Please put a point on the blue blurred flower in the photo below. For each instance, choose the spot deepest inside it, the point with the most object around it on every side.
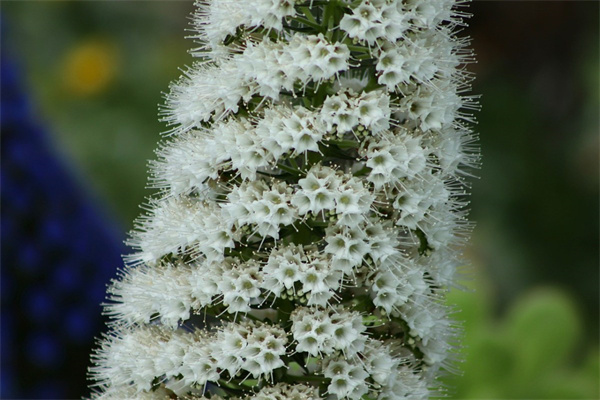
(58, 253)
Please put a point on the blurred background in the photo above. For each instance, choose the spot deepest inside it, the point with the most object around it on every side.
(81, 84)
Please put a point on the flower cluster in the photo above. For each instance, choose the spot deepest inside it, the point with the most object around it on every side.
(215, 20)
(310, 209)
(346, 111)
(184, 360)
(322, 332)
(264, 68)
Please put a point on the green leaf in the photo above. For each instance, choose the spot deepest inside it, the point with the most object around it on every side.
(543, 328)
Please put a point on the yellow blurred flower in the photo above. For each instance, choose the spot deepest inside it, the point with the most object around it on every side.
(89, 68)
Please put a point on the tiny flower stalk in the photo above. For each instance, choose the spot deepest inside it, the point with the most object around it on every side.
(310, 211)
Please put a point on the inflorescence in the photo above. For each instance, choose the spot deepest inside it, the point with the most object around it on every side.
(310, 212)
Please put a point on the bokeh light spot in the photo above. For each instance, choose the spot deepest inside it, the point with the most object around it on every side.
(90, 67)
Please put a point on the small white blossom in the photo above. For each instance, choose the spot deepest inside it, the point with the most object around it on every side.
(346, 246)
(379, 362)
(319, 331)
(284, 130)
(215, 20)
(378, 19)
(317, 190)
(283, 391)
(339, 111)
(323, 189)
(454, 151)
(198, 364)
(419, 198)
(278, 65)
(206, 91)
(428, 108)
(430, 13)
(180, 225)
(115, 367)
(254, 348)
(128, 392)
(284, 268)
(258, 204)
(395, 158)
(347, 378)
(239, 284)
(373, 110)
(237, 140)
(405, 384)
(346, 111)
(144, 291)
(397, 281)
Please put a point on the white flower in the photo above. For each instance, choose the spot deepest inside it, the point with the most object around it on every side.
(198, 365)
(346, 246)
(187, 163)
(239, 284)
(430, 13)
(290, 130)
(455, 151)
(144, 291)
(395, 158)
(373, 20)
(284, 268)
(258, 204)
(398, 281)
(317, 190)
(277, 65)
(206, 91)
(347, 379)
(339, 111)
(373, 110)
(304, 130)
(215, 20)
(379, 362)
(347, 110)
(443, 267)
(319, 331)
(360, 21)
(319, 278)
(238, 139)
(128, 392)
(429, 108)
(114, 365)
(352, 202)
(265, 344)
(180, 225)
(405, 384)
(283, 391)
(323, 189)
(419, 198)
(311, 199)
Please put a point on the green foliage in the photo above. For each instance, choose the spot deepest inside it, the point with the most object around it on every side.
(535, 351)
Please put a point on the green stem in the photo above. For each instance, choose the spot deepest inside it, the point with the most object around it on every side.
(358, 49)
(308, 14)
(306, 22)
(294, 163)
(344, 144)
(291, 170)
(331, 18)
